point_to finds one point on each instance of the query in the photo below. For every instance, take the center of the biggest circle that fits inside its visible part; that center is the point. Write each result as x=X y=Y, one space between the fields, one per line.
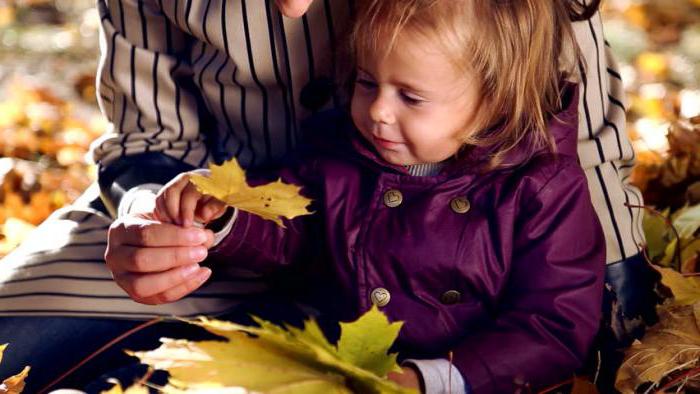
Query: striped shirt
x=204 y=80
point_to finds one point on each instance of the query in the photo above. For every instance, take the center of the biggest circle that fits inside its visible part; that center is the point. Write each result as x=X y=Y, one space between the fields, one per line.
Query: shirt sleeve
x=439 y=376
x=548 y=312
x=145 y=90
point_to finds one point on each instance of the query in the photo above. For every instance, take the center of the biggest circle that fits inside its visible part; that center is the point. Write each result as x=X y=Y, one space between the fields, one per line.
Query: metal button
x=380 y=297
x=393 y=198
x=460 y=205
x=451 y=297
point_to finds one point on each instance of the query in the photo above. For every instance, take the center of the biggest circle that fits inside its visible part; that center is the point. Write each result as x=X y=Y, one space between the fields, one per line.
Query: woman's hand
x=179 y=202
x=156 y=262
x=407 y=378
x=293 y=8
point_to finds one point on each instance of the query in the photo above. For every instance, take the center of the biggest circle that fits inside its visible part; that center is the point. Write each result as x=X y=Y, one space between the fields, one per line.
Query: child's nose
x=380 y=111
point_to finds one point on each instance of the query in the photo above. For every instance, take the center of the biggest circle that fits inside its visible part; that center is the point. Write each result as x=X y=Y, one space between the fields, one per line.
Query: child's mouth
x=385 y=144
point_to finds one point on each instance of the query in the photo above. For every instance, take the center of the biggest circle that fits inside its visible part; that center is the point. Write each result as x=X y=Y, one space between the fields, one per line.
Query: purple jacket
x=504 y=269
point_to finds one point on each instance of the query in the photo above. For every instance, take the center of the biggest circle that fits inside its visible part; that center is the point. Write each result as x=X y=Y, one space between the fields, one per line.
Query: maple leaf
x=369 y=351
x=672 y=345
x=271 y=358
x=13 y=384
x=686 y=290
x=272 y=201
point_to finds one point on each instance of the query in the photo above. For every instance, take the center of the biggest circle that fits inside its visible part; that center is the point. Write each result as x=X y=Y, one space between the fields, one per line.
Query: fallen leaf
x=686 y=290
x=687 y=221
x=370 y=351
x=670 y=346
x=14 y=384
x=272 y=201
x=656 y=233
x=270 y=358
x=583 y=386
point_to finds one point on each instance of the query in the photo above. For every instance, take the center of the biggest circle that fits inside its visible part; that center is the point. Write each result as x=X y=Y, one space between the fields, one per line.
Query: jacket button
x=460 y=205
x=393 y=198
x=380 y=297
x=451 y=297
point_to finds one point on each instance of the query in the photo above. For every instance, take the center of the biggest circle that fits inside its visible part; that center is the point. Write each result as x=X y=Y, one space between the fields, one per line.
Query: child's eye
x=366 y=83
x=410 y=99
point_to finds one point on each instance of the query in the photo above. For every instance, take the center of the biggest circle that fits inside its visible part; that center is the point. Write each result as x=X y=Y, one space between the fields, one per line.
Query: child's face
x=414 y=106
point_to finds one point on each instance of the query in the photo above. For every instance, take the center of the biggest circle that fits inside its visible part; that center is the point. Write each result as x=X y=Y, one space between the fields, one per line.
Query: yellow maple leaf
x=686 y=290
x=282 y=359
x=13 y=384
x=272 y=201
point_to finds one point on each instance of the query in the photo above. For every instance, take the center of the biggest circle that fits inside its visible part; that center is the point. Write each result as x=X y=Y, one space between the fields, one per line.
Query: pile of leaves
x=668 y=357
x=43 y=143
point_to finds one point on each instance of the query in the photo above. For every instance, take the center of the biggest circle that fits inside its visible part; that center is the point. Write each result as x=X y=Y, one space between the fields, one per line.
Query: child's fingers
x=210 y=208
x=188 y=204
x=161 y=212
x=171 y=193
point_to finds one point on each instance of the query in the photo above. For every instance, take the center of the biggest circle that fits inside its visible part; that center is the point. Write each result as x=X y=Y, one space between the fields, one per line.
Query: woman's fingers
x=149 y=260
x=144 y=286
x=180 y=290
x=139 y=232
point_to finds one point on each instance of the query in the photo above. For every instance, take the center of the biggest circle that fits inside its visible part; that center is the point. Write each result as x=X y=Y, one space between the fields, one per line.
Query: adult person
x=184 y=82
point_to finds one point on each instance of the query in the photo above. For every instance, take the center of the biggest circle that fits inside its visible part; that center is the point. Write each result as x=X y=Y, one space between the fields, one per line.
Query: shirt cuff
x=439 y=376
x=139 y=199
x=219 y=235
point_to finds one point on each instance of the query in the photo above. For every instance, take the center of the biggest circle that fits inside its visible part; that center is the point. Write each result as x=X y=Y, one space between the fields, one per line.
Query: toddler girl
x=450 y=197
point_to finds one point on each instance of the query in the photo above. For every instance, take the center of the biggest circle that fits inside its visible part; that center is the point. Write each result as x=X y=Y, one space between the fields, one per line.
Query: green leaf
x=274 y=359
x=656 y=233
x=687 y=221
x=669 y=253
x=370 y=351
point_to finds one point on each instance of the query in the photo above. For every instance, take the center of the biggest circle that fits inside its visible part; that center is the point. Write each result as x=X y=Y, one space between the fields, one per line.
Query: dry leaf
x=583 y=386
x=686 y=290
x=272 y=201
x=271 y=358
x=14 y=384
x=670 y=346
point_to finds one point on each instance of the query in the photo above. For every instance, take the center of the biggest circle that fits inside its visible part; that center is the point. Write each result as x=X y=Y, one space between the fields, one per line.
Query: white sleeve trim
x=437 y=378
x=221 y=234
x=140 y=198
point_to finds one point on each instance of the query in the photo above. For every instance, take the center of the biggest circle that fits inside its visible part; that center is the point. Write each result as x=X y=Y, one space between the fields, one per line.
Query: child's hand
x=407 y=378
x=180 y=203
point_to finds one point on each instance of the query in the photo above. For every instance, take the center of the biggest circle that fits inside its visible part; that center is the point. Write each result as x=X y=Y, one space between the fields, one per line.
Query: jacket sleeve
x=261 y=246
x=549 y=310
x=145 y=90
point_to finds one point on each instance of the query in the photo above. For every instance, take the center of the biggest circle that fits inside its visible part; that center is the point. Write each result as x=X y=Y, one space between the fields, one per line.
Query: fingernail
x=189 y=270
x=198 y=253
x=204 y=274
x=197 y=236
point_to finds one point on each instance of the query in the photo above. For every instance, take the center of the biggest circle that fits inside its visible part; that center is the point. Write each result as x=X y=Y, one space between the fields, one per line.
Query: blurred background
x=49 y=116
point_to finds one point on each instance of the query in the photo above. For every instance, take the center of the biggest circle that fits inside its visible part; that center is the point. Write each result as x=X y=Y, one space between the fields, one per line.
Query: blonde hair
x=518 y=51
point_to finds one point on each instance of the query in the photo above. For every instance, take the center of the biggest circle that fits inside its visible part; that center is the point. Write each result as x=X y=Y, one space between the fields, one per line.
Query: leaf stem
x=100 y=351
x=678 y=248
